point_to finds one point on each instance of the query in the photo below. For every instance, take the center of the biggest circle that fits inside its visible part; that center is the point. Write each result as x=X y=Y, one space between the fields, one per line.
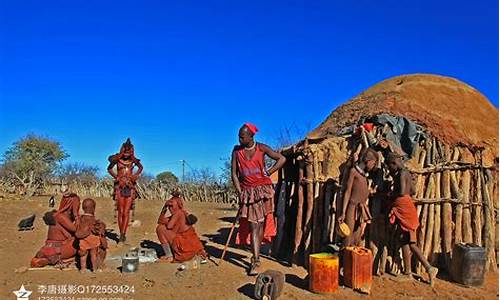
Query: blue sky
x=179 y=78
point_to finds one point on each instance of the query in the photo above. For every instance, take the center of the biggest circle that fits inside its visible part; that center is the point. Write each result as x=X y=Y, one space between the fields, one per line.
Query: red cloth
x=244 y=235
x=253 y=129
x=251 y=172
x=90 y=242
x=404 y=210
x=186 y=245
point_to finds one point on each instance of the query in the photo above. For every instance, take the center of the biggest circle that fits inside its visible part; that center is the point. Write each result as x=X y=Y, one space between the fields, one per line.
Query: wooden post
x=316 y=220
x=436 y=245
x=457 y=193
x=429 y=230
x=447 y=211
x=489 y=236
x=478 y=199
x=310 y=206
x=328 y=219
x=466 y=214
x=300 y=209
x=428 y=157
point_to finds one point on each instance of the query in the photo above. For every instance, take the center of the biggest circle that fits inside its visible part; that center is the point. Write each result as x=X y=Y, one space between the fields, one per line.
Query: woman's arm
x=110 y=169
x=139 y=169
x=173 y=223
x=162 y=219
x=66 y=223
x=278 y=157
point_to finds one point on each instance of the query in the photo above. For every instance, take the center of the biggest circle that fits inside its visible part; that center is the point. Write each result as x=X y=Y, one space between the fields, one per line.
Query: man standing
x=125 y=181
x=256 y=193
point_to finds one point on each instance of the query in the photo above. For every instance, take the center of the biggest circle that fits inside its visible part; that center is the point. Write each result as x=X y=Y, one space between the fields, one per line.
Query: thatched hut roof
x=449 y=109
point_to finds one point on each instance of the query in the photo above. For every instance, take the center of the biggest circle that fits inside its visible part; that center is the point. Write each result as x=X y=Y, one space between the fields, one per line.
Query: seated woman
x=59 y=245
x=177 y=237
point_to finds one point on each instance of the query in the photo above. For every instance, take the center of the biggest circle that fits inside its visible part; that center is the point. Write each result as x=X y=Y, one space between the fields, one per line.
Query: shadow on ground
x=247 y=290
x=110 y=234
x=296 y=281
x=148 y=244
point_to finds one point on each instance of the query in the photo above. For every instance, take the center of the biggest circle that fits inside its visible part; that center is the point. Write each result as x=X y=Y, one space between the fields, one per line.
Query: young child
x=404 y=213
x=355 y=211
x=91 y=235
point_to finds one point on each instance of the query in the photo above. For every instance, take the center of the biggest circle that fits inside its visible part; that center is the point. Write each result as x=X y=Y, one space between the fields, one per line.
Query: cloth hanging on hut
x=404 y=133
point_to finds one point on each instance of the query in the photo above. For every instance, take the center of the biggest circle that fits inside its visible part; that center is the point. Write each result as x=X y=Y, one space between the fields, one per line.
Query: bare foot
x=254 y=267
x=432 y=272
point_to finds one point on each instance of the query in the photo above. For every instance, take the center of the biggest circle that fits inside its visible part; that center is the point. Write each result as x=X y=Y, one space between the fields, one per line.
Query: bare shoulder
x=268 y=150
x=113 y=159
x=264 y=147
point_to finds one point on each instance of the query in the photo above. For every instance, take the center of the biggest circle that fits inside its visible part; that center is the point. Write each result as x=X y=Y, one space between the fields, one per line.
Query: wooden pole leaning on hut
x=477 y=215
x=310 y=206
x=489 y=235
x=457 y=194
x=447 y=211
x=420 y=188
x=318 y=226
x=428 y=227
x=318 y=206
x=436 y=244
x=328 y=215
x=466 y=214
x=300 y=209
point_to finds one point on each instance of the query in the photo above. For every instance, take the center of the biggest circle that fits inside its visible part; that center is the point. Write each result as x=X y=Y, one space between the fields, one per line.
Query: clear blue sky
x=179 y=78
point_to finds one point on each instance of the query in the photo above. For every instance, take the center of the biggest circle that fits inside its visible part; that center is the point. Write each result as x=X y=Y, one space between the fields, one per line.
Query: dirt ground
x=162 y=280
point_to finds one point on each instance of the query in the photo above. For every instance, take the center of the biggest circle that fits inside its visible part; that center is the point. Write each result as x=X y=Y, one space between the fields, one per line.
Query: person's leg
x=256 y=230
x=350 y=220
x=93 y=259
x=161 y=232
x=124 y=205
x=120 y=205
x=166 y=237
x=406 y=259
x=83 y=259
x=39 y=261
x=414 y=248
x=101 y=256
x=431 y=271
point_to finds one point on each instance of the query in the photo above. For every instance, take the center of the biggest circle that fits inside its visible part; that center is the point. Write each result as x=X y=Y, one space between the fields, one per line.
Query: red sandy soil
x=451 y=110
x=162 y=281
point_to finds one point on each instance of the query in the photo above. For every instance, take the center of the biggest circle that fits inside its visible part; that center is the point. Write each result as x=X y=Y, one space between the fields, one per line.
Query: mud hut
x=448 y=133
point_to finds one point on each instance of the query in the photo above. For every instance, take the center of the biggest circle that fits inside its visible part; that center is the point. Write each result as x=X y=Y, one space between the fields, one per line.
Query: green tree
x=31 y=160
x=167 y=177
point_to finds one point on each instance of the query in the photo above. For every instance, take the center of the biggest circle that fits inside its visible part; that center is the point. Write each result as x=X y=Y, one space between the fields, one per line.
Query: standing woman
x=128 y=170
x=255 y=189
